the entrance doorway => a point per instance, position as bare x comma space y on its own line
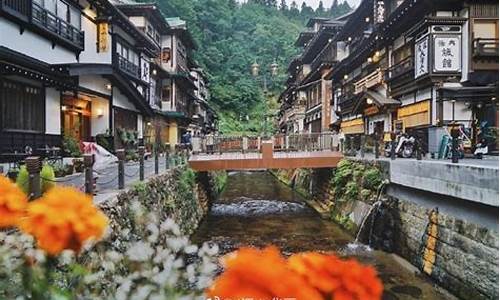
76, 118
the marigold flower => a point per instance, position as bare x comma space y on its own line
64, 218
260, 274
337, 278
12, 203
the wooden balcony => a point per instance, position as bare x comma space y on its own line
401, 68
368, 81
44, 22
127, 66
485, 48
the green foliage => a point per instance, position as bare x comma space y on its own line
355, 180
372, 178
232, 36
187, 180
220, 181
129, 138
22, 180
47, 177
71, 146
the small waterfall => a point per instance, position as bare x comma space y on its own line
373, 212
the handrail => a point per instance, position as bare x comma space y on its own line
30, 11
484, 47
321, 141
127, 66
399, 69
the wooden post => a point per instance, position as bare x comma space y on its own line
167, 160
376, 145
34, 165
141, 151
88, 162
120, 153
393, 145
157, 163
455, 133
362, 148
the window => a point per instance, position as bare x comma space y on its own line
22, 107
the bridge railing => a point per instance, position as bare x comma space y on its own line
281, 143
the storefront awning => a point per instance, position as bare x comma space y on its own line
356, 126
417, 114
378, 100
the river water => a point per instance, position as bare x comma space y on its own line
256, 209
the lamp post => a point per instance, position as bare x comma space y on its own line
271, 72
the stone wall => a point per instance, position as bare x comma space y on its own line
179, 194
460, 255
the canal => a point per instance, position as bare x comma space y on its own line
256, 209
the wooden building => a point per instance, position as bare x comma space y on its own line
418, 67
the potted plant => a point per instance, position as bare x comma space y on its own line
68, 169
59, 171
78, 164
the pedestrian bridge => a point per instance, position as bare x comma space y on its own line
278, 152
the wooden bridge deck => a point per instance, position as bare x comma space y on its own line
265, 160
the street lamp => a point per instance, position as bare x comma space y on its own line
255, 69
273, 72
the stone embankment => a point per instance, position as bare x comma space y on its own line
452, 240
180, 194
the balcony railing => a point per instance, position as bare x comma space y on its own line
327, 55
368, 81
128, 67
31, 12
403, 67
17, 8
485, 48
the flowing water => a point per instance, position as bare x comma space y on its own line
256, 209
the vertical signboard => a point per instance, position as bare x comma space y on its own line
102, 37
422, 57
378, 11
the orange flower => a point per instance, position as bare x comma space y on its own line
340, 279
260, 274
63, 218
12, 203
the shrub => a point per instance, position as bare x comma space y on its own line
351, 190
372, 178
71, 146
47, 177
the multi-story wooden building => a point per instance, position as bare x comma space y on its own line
91, 67
418, 66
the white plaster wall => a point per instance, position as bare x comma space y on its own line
52, 111
424, 94
33, 45
95, 82
120, 100
90, 54
99, 124
138, 21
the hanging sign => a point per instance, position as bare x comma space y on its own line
447, 53
378, 11
102, 37
144, 70
422, 57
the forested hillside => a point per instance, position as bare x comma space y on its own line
232, 36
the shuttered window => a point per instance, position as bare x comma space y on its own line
22, 107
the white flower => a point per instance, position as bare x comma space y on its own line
140, 251
191, 249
